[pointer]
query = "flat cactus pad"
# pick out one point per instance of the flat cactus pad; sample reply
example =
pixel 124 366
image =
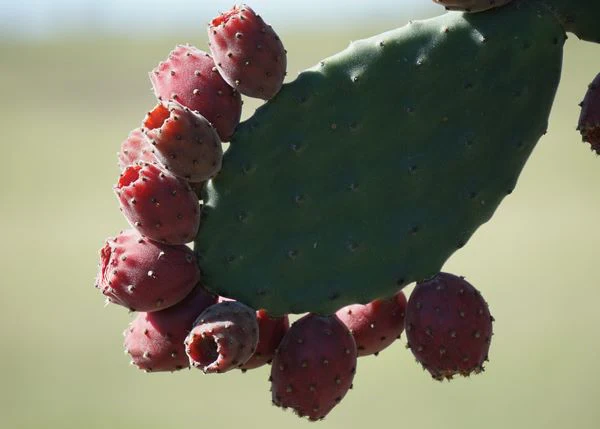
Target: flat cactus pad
pixel 370 169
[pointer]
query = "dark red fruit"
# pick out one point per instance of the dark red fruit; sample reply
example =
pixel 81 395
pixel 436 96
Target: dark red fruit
pixel 158 204
pixel 589 119
pixel 375 325
pixel 155 340
pixel 270 334
pixel 223 338
pixel 135 148
pixel 190 77
pixel 314 366
pixel 248 53
pixel 184 142
pixel 144 275
pixel 448 326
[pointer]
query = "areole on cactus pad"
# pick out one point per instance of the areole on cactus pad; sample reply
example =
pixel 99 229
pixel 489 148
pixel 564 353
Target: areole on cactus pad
pixel 370 169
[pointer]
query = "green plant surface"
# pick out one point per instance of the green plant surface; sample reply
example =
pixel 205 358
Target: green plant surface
pixel 368 171
pixel 577 16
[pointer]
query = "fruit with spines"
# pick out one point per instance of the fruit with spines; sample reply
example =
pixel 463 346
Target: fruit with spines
pixel 183 141
pixel 371 169
pixel 249 54
pixel 448 326
pixel 375 325
pixel 135 148
pixel 271 330
pixel 155 340
pixel 589 118
pixel 314 366
pixel 224 337
pixel 190 77
pixel 270 333
pixel 144 275
pixel 160 205
pixel 472 5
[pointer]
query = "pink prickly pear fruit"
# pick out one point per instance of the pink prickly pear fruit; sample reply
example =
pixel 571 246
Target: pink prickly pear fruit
pixel 314 366
pixel 135 148
pixel 472 5
pixel 223 337
pixel 184 142
pixel 190 77
pixel 248 53
pixel 589 119
pixel 270 333
pixel 158 204
pixel 375 325
pixel 448 326
pixel 155 340
pixel 144 275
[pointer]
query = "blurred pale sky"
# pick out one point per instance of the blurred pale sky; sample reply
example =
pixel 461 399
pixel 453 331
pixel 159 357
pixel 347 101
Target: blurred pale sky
pixel 43 18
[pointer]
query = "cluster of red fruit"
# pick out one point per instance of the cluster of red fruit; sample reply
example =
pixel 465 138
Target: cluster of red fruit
pixel 149 268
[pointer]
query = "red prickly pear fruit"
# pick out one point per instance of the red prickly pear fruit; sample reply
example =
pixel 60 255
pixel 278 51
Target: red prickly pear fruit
pixel 144 275
pixel 223 338
pixel 448 326
pixel 158 204
pixel 248 53
pixel 472 5
pixel 184 142
pixel 270 334
pixel 314 366
pixel 135 148
pixel 375 325
pixel 155 340
pixel 589 119
pixel 190 77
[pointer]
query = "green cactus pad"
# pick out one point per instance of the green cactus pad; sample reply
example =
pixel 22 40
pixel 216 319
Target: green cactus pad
pixel 579 17
pixel 369 170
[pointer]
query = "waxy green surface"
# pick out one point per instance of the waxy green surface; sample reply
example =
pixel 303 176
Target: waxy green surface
pixel 370 169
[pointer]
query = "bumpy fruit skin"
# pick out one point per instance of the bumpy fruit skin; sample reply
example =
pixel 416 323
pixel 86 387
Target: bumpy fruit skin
pixel 375 325
pixel 190 77
pixel 158 204
pixel 155 340
pixel 314 366
pixel 448 326
pixel 135 148
pixel 472 5
pixel 223 338
pixel 183 141
pixel 589 119
pixel 270 333
pixel 144 275
pixel 248 53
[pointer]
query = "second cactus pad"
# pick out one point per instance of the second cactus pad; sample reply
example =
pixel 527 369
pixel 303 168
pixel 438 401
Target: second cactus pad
pixel 370 169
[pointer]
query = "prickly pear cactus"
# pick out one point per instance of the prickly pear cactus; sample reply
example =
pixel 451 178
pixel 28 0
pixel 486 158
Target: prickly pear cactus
pixel 577 16
pixel 370 169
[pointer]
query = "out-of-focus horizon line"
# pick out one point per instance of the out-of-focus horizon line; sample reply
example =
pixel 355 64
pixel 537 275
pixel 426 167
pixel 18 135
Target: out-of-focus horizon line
pixel 39 19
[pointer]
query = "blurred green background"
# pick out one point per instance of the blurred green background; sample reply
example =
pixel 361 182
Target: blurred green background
pixel 69 102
